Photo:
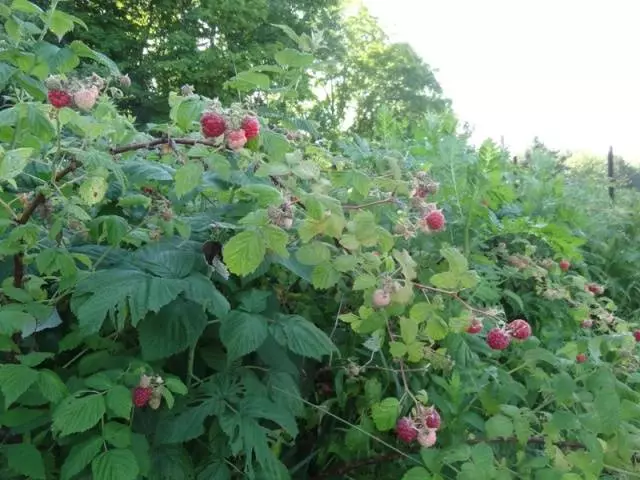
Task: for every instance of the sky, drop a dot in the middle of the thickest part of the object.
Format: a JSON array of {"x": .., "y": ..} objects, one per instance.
[{"x": 567, "y": 71}]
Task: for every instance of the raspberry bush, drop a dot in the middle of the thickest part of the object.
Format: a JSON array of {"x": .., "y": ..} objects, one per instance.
[{"x": 228, "y": 296}]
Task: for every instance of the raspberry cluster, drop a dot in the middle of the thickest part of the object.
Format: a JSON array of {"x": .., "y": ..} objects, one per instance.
[
  {"x": 499, "y": 338},
  {"x": 237, "y": 126},
  {"x": 148, "y": 392},
  {"x": 422, "y": 426}
]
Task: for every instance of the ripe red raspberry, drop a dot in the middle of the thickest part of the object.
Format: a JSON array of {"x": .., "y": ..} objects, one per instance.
[
  {"x": 498, "y": 339},
  {"x": 141, "y": 396},
  {"x": 636, "y": 335},
  {"x": 59, "y": 98},
  {"x": 564, "y": 265},
  {"x": 381, "y": 298},
  {"x": 475, "y": 327},
  {"x": 251, "y": 127},
  {"x": 435, "y": 220},
  {"x": 519, "y": 329},
  {"x": 581, "y": 358},
  {"x": 213, "y": 124},
  {"x": 432, "y": 419},
  {"x": 406, "y": 430},
  {"x": 236, "y": 139}
]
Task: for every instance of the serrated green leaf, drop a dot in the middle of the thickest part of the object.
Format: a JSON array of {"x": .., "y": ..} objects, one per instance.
[
  {"x": 324, "y": 276},
  {"x": 364, "y": 282},
  {"x": 115, "y": 464},
  {"x": 188, "y": 177},
  {"x": 244, "y": 253},
  {"x": 117, "y": 434},
  {"x": 60, "y": 23},
  {"x": 304, "y": 338},
  {"x": 445, "y": 280},
  {"x": 499, "y": 426},
  {"x": 415, "y": 352},
  {"x": 13, "y": 162},
  {"x": 93, "y": 189},
  {"x": 437, "y": 328},
  {"x": 345, "y": 263},
  {"x": 373, "y": 391},
  {"x": 242, "y": 333},
  {"x": 385, "y": 414},
  {"x": 80, "y": 457},
  {"x": 457, "y": 261},
  {"x": 313, "y": 253},
  {"x": 408, "y": 330},
  {"x": 75, "y": 415},
  {"x": 276, "y": 239},
  {"x": 417, "y": 473},
  {"x": 172, "y": 330},
  {"x": 51, "y": 386},
  {"x": 397, "y": 349},
  {"x": 468, "y": 279},
  {"x": 176, "y": 385},
  {"x": 15, "y": 380},
  {"x": 25, "y": 459},
  {"x": 293, "y": 58},
  {"x": 119, "y": 401},
  {"x": 34, "y": 359},
  {"x": 407, "y": 264}
]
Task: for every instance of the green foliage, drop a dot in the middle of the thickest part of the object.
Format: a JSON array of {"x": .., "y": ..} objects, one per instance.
[{"x": 173, "y": 308}]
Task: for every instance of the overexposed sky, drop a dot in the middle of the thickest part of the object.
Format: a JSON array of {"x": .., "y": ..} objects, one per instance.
[{"x": 565, "y": 70}]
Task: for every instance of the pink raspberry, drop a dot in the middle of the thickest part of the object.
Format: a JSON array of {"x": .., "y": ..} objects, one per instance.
[
  {"x": 427, "y": 439},
  {"x": 581, "y": 358},
  {"x": 564, "y": 265},
  {"x": 406, "y": 430},
  {"x": 251, "y": 127},
  {"x": 381, "y": 298},
  {"x": 498, "y": 339},
  {"x": 86, "y": 98},
  {"x": 588, "y": 323},
  {"x": 519, "y": 329},
  {"x": 236, "y": 139},
  {"x": 213, "y": 124},
  {"x": 59, "y": 98},
  {"x": 435, "y": 220}
]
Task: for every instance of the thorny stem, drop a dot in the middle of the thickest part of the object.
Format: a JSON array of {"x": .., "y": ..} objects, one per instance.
[
  {"x": 455, "y": 296},
  {"x": 370, "y": 204}
]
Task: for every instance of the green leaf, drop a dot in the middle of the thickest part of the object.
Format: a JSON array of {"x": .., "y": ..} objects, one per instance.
[
  {"x": 373, "y": 390},
  {"x": 117, "y": 434},
  {"x": 437, "y": 328},
  {"x": 93, "y": 190},
  {"x": 51, "y": 386},
  {"x": 80, "y": 456},
  {"x": 420, "y": 312},
  {"x": 276, "y": 240},
  {"x": 285, "y": 391},
  {"x": 499, "y": 426},
  {"x": 75, "y": 415},
  {"x": 385, "y": 414},
  {"x": 200, "y": 289},
  {"x": 304, "y": 338},
  {"x": 417, "y": 473},
  {"x": 25, "y": 459},
  {"x": 364, "y": 282},
  {"x": 247, "y": 81},
  {"x": 264, "y": 195},
  {"x": 184, "y": 427},
  {"x": 115, "y": 464},
  {"x": 468, "y": 279},
  {"x": 445, "y": 280},
  {"x": 175, "y": 385},
  {"x": 407, "y": 264},
  {"x": 172, "y": 330},
  {"x": 457, "y": 261},
  {"x": 397, "y": 349},
  {"x": 187, "y": 112},
  {"x": 242, "y": 333},
  {"x": 188, "y": 177},
  {"x": 313, "y": 253},
  {"x": 15, "y": 380},
  {"x": 14, "y": 321},
  {"x": 244, "y": 253},
  {"x": 61, "y": 23},
  {"x": 293, "y": 58},
  {"x": 34, "y": 359},
  {"x": 408, "y": 330},
  {"x": 12, "y": 162},
  {"x": 119, "y": 401},
  {"x": 324, "y": 276}
]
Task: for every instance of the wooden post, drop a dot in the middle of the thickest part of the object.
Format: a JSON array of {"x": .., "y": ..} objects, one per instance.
[{"x": 610, "y": 173}]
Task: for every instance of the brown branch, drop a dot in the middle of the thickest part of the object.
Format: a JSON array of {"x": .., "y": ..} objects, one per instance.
[
  {"x": 18, "y": 258},
  {"x": 349, "y": 467},
  {"x": 160, "y": 141}
]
